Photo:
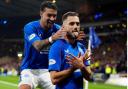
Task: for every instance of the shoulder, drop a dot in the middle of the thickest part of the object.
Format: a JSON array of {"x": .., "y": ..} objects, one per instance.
[
  {"x": 57, "y": 26},
  {"x": 59, "y": 43},
  {"x": 81, "y": 45},
  {"x": 62, "y": 41},
  {"x": 31, "y": 25}
]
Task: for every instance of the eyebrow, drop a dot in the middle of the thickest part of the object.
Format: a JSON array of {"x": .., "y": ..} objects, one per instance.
[{"x": 74, "y": 23}]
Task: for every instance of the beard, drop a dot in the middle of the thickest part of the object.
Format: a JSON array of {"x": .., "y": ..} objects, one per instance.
[
  {"x": 50, "y": 23},
  {"x": 72, "y": 36}
]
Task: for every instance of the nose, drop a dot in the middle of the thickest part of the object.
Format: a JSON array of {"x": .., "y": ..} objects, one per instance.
[
  {"x": 76, "y": 27},
  {"x": 52, "y": 18}
]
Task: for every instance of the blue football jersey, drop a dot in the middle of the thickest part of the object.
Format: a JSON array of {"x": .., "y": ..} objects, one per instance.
[
  {"x": 34, "y": 59},
  {"x": 58, "y": 62}
]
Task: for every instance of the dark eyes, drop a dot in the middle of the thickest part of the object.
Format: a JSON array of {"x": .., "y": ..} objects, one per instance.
[
  {"x": 73, "y": 23},
  {"x": 51, "y": 15}
]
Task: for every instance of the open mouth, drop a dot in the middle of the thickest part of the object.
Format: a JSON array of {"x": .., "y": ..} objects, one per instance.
[
  {"x": 76, "y": 33},
  {"x": 73, "y": 34},
  {"x": 50, "y": 21}
]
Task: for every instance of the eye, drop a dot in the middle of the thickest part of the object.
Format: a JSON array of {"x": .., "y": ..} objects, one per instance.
[
  {"x": 77, "y": 23},
  {"x": 54, "y": 15},
  {"x": 73, "y": 23},
  {"x": 51, "y": 15}
]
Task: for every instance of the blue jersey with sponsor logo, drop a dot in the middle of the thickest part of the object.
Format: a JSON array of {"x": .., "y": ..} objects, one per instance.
[
  {"x": 34, "y": 59},
  {"x": 57, "y": 62}
]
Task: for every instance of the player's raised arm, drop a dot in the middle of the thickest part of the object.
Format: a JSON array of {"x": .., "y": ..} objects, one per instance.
[{"x": 39, "y": 44}]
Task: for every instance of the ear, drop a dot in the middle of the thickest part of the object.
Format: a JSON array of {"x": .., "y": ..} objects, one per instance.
[
  {"x": 64, "y": 22},
  {"x": 63, "y": 25},
  {"x": 41, "y": 13}
]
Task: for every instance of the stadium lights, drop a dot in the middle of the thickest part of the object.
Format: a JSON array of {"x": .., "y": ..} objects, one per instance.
[
  {"x": 124, "y": 25},
  {"x": 111, "y": 26},
  {"x": 3, "y": 21},
  {"x": 54, "y": 1},
  {"x": 98, "y": 15},
  {"x": 19, "y": 54}
]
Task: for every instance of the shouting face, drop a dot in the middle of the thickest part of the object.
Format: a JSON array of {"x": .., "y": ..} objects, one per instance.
[
  {"x": 72, "y": 25},
  {"x": 48, "y": 17}
]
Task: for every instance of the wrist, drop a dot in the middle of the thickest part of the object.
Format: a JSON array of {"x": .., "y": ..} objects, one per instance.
[
  {"x": 82, "y": 66},
  {"x": 50, "y": 39},
  {"x": 71, "y": 70},
  {"x": 87, "y": 62}
]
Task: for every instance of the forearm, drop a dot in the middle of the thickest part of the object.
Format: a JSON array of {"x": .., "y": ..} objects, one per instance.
[
  {"x": 86, "y": 72},
  {"x": 61, "y": 76},
  {"x": 41, "y": 43}
]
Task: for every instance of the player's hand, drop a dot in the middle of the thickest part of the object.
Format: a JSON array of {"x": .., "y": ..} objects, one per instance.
[
  {"x": 81, "y": 35},
  {"x": 59, "y": 34},
  {"x": 86, "y": 55},
  {"x": 75, "y": 62}
]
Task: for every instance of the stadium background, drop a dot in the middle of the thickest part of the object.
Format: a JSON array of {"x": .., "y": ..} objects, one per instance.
[{"x": 108, "y": 17}]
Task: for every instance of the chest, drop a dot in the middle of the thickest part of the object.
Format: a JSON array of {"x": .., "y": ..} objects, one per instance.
[
  {"x": 42, "y": 34},
  {"x": 70, "y": 50},
  {"x": 73, "y": 50}
]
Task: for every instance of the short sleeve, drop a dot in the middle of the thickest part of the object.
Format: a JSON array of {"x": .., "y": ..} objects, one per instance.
[
  {"x": 29, "y": 34},
  {"x": 55, "y": 57}
]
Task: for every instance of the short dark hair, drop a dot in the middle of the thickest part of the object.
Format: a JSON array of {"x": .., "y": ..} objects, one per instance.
[
  {"x": 64, "y": 17},
  {"x": 48, "y": 4}
]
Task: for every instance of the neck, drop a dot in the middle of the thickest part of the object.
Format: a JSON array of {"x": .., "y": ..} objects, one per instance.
[
  {"x": 43, "y": 25},
  {"x": 71, "y": 41}
]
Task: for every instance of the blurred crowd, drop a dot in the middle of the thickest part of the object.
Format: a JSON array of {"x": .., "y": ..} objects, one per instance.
[
  {"x": 9, "y": 66},
  {"x": 110, "y": 57}
]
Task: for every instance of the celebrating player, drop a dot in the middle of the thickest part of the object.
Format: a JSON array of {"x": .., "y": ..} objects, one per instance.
[
  {"x": 38, "y": 35},
  {"x": 67, "y": 64}
]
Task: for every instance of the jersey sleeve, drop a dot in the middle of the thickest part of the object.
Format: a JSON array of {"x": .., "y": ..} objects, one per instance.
[
  {"x": 55, "y": 57},
  {"x": 29, "y": 34}
]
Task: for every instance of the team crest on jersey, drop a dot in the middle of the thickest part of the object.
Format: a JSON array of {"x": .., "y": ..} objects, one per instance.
[
  {"x": 45, "y": 50},
  {"x": 66, "y": 51},
  {"x": 52, "y": 61},
  {"x": 40, "y": 35},
  {"x": 31, "y": 36}
]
